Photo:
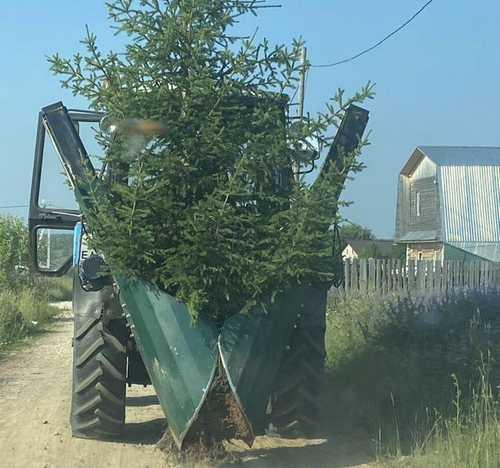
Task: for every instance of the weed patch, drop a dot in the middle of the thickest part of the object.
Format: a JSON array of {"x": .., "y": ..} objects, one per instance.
[
  {"x": 22, "y": 313},
  {"x": 394, "y": 363}
]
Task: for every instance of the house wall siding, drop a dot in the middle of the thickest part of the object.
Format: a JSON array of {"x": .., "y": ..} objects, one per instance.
[
  {"x": 427, "y": 219},
  {"x": 428, "y": 251},
  {"x": 422, "y": 180},
  {"x": 403, "y": 201}
]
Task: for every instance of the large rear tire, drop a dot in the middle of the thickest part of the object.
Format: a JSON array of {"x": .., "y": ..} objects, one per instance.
[
  {"x": 295, "y": 402},
  {"x": 99, "y": 365}
]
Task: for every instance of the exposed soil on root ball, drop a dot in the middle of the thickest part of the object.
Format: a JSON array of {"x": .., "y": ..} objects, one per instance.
[
  {"x": 194, "y": 454},
  {"x": 220, "y": 417}
]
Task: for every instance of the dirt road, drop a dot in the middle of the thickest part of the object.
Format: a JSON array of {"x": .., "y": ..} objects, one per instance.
[{"x": 34, "y": 422}]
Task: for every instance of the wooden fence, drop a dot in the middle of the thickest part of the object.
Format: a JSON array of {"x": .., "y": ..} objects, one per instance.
[{"x": 420, "y": 277}]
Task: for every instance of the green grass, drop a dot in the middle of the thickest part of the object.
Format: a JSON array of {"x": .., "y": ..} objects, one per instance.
[
  {"x": 23, "y": 313},
  {"x": 470, "y": 438},
  {"x": 396, "y": 367},
  {"x": 24, "y": 295}
]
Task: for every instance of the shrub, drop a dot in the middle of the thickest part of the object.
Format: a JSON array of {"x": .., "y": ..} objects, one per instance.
[
  {"x": 392, "y": 360},
  {"x": 24, "y": 297},
  {"x": 14, "y": 256},
  {"x": 469, "y": 438},
  {"x": 12, "y": 323},
  {"x": 22, "y": 313}
]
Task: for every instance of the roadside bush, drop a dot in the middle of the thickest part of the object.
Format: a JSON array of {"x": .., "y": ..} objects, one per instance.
[
  {"x": 469, "y": 438},
  {"x": 24, "y": 297},
  {"x": 14, "y": 254},
  {"x": 22, "y": 313},
  {"x": 391, "y": 360},
  {"x": 12, "y": 324}
]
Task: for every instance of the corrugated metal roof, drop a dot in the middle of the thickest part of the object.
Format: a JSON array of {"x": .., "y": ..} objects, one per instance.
[
  {"x": 470, "y": 203},
  {"x": 487, "y": 250},
  {"x": 462, "y": 155},
  {"x": 419, "y": 236}
]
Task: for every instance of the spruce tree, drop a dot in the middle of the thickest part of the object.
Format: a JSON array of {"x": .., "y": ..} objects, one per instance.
[{"x": 199, "y": 198}]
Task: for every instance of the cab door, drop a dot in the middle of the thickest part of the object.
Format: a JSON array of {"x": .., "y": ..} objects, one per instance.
[{"x": 54, "y": 211}]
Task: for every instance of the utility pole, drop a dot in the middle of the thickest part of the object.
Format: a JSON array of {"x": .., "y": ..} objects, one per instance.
[
  {"x": 303, "y": 72},
  {"x": 302, "y": 95}
]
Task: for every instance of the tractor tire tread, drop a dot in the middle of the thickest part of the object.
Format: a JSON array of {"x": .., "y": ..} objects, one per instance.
[{"x": 99, "y": 374}]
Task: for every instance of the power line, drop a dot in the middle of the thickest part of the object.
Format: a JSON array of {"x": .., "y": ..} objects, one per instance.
[
  {"x": 12, "y": 206},
  {"x": 369, "y": 49}
]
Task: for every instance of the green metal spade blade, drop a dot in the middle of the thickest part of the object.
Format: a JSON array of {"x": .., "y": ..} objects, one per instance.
[
  {"x": 181, "y": 358},
  {"x": 251, "y": 347}
]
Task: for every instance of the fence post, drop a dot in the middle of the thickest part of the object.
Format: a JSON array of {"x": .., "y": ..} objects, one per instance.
[
  {"x": 355, "y": 275},
  {"x": 411, "y": 281},
  {"x": 467, "y": 275},
  {"x": 421, "y": 275},
  {"x": 391, "y": 267},
  {"x": 363, "y": 275},
  {"x": 488, "y": 276},
  {"x": 439, "y": 277},
  {"x": 399, "y": 276},
  {"x": 483, "y": 276},
  {"x": 371, "y": 275},
  {"x": 378, "y": 275},
  {"x": 429, "y": 277},
  {"x": 386, "y": 275},
  {"x": 451, "y": 275},
  {"x": 347, "y": 275},
  {"x": 476, "y": 276}
]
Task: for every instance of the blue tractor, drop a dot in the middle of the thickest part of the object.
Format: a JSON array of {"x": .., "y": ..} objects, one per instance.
[{"x": 129, "y": 332}]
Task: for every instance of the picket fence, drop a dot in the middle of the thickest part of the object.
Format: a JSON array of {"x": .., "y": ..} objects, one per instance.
[{"x": 419, "y": 277}]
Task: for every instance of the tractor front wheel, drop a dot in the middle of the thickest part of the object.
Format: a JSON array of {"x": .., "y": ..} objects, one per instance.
[{"x": 99, "y": 365}]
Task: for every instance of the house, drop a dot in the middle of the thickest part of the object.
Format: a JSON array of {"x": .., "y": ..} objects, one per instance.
[
  {"x": 448, "y": 204},
  {"x": 378, "y": 248}
]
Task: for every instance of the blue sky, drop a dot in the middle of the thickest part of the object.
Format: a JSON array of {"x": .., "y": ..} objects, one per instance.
[{"x": 437, "y": 80}]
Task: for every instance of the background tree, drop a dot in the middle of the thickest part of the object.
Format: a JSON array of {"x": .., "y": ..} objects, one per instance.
[
  {"x": 201, "y": 202},
  {"x": 352, "y": 231},
  {"x": 14, "y": 254}
]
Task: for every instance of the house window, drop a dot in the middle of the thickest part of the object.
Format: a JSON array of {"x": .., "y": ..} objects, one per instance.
[{"x": 418, "y": 204}]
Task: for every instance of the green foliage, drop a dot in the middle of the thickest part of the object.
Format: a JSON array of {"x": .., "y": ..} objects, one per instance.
[
  {"x": 393, "y": 362},
  {"x": 199, "y": 198},
  {"x": 58, "y": 289},
  {"x": 372, "y": 250},
  {"x": 352, "y": 231},
  {"x": 22, "y": 313},
  {"x": 14, "y": 257},
  {"x": 470, "y": 437},
  {"x": 24, "y": 297}
]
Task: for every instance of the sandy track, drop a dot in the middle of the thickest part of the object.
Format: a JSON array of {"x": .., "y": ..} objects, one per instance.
[{"x": 34, "y": 422}]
